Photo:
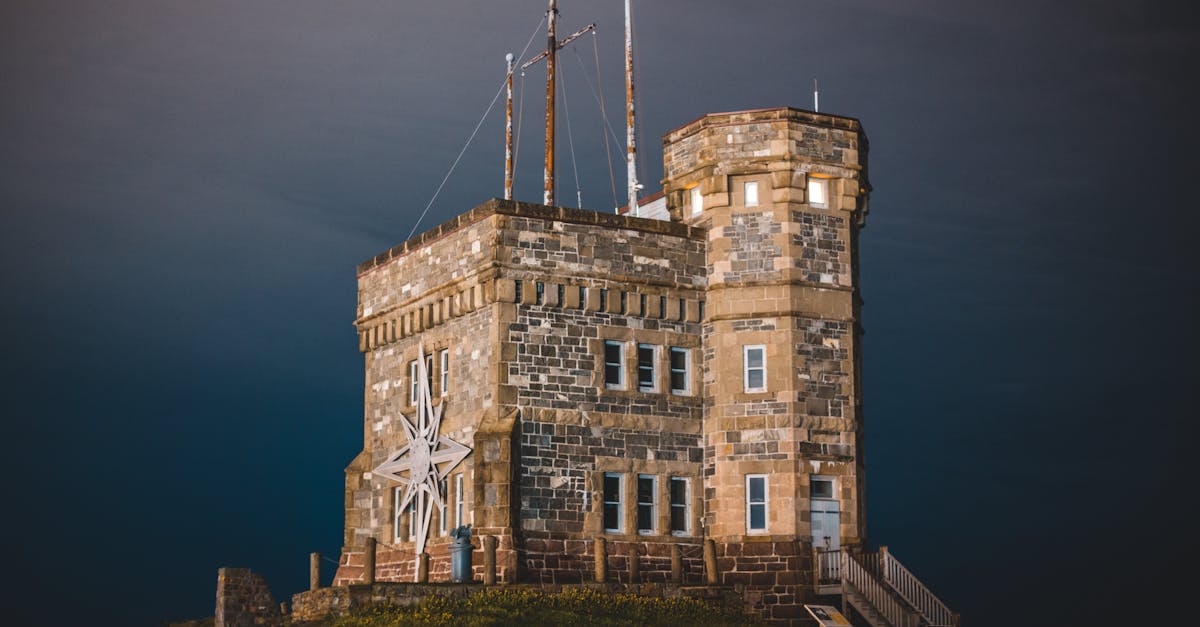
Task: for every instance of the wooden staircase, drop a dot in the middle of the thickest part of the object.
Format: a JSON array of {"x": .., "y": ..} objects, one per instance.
[{"x": 880, "y": 589}]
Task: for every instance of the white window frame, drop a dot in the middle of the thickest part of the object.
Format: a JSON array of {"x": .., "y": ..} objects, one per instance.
[
  {"x": 620, "y": 502},
  {"x": 653, "y": 504},
  {"x": 414, "y": 378},
  {"x": 687, "y": 506},
  {"x": 766, "y": 505},
  {"x": 750, "y": 193},
  {"x": 620, "y": 384},
  {"x": 816, "y": 182},
  {"x": 697, "y": 200},
  {"x": 687, "y": 370},
  {"x": 459, "y": 500},
  {"x": 444, "y": 364},
  {"x": 746, "y": 367},
  {"x": 653, "y": 387}
]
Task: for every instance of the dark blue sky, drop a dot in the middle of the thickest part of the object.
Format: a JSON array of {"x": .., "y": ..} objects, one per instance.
[{"x": 185, "y": 189}]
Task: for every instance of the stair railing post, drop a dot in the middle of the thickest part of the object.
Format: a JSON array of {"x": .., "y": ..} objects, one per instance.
[
  {"x": 842, "y": 568},
  {"x": 884, "y": 565}
]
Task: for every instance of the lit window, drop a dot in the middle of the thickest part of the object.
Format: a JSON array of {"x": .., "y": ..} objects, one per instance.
[
  {"x": 754, "y": 368},
  {"x": 614, "y": 365},
  {"x": 680, "y": 377},
  {"x": 647, "y": 377},
  {"x": 612, "y": 501},
  {"x": 414, "y": 378},
  {"x": 751, "y": 193},
  {"x": 444, "y": 364},
  {"x": 459, "y": 500},
  {"x": 645, "y": 503},
  {"x": 818, "y": 192},
  {"x": 679, "y": 506},
  {"x": 756, "y": 503},
  {"x": 697, "y": 201}
]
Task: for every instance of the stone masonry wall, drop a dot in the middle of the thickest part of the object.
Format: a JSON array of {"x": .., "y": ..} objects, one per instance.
[{"x": 244, "y": 600}]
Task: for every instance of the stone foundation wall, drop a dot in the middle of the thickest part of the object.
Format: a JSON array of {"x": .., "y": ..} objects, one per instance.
[
  {"x": 556, "y": 561},
  {"x": 317, "y": 604},
  {"x": 398, "y": 563},
  {"x": 243, "y": 600},
  {"x": 776, "y": 575}
]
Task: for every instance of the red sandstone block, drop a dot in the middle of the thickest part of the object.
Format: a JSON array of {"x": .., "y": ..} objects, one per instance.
[
  {"x": 762, "y": 579},
  {"x": 758, "y": 548},
  {"x": 658, "y": 549},
  {"x": 729, "y": 550},
  {"x": 789, "y": 578},
  {"x": 575, "y": 547},
  {"x": 736, "y": 578},
  {"x": 786, "y": 548}
]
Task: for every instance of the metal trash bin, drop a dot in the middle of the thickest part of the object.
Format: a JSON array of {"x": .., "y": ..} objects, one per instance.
[{"x": 460, "y": 554}]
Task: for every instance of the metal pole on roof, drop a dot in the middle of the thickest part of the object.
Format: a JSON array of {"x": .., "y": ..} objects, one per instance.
[
  {"x": 630, "y": 135},
  {"x": 551, "y": 50},
  {"x": 508, "y": 130}
]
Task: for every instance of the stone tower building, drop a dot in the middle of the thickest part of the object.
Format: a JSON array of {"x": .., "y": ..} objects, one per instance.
[{"x": 654, "y": 382}]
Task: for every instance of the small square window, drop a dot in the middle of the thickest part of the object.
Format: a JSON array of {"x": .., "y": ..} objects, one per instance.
[
  {"x": 821, "y": 489},
  {"x": 818, "y": 192},
  {"x": 751, "y": 193},
  {"x": 612, "y": 501},
  {"x": 697, "y": 201},
  {"x": 754, "y": 364},
  {"x": 614, "y": 365}
]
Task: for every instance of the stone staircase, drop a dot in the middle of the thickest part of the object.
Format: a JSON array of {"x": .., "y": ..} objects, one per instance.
[{"x": 880, "y": 589}]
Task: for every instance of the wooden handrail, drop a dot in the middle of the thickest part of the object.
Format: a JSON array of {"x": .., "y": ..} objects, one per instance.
[
  {"x": 892, "y": 610},
  {"x": 900, "y": 579}
]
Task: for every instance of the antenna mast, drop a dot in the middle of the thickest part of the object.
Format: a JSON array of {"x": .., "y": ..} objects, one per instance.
[
  {"x": 552, "y": 46},
  {"x": 816, "y": 97},
  {"x": 551, "y": 50},
  {"x": 508, "y": 132},
  {"x": 630, "y": 135}
]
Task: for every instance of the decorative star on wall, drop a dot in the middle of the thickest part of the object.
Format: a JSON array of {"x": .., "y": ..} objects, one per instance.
[{"x": 427, "y": 458}]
